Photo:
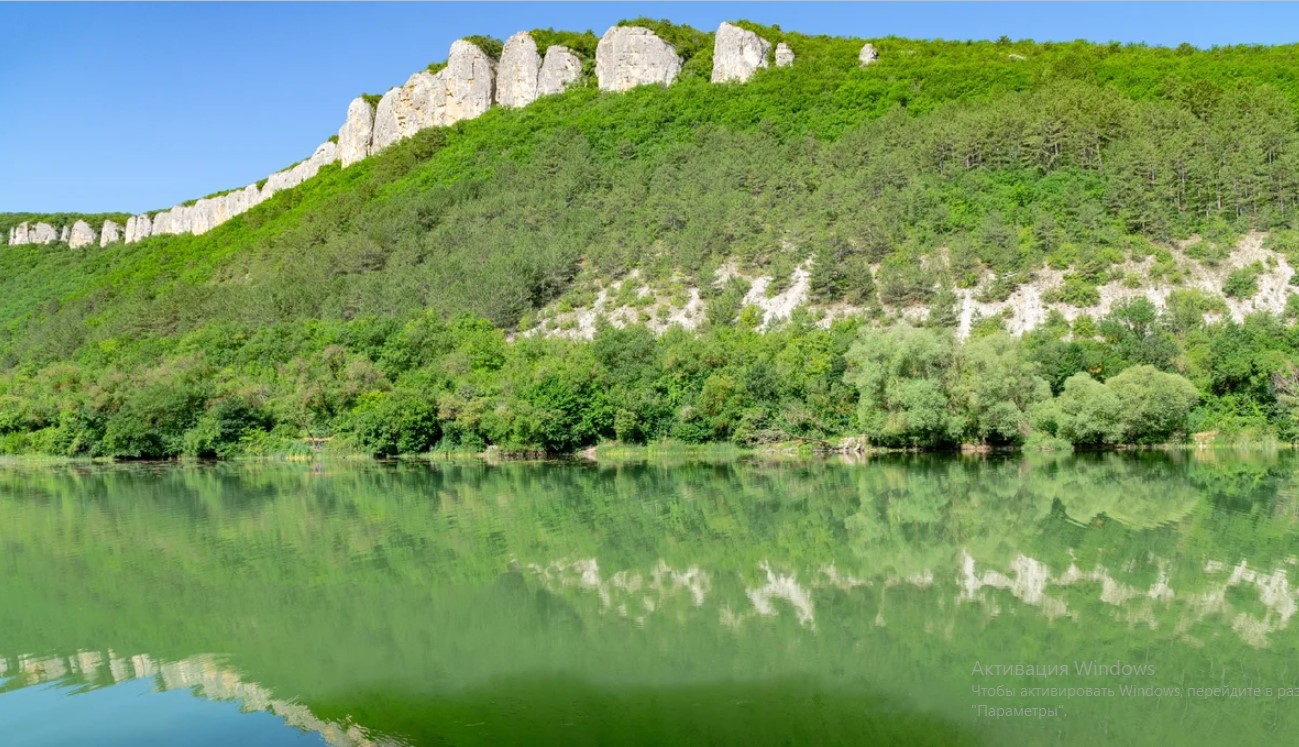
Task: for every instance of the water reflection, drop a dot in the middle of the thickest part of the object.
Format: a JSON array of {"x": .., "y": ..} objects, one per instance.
[
  {"x": 203, "y": 675},
  {"x": 634, "y": 595},
  {"x": 639, "y": 603}
]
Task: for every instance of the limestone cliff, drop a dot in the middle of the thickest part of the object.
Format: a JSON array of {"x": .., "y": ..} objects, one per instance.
[
  {"x": 463, "y": 89},
  {"x": 355, "y": 134},
  {"x": 137, "y": 228},
  {"x": 518, "y": 71},
  {"x": 559, "y": 70},
  {"x": 630, "y": 56},
  {"x": 42, "y": 233},
  {"x": 737, "y": 54},
  {"x": 81, "y": 234},
  {"x": 109, "y": 233},
  {"x": 468, "y": 85}
]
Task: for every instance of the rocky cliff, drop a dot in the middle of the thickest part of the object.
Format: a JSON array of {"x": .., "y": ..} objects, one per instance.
[
  {"x": 630, "y": 56},
  {"x": 469, "y": 84},
  {"x": 109, "y": 234},
  {"x": 737, "y": 54},
  {"x": 81, "y": 234}
]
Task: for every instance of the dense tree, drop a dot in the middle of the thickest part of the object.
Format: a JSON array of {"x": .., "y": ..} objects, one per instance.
[{"x": 392, "y": 305}]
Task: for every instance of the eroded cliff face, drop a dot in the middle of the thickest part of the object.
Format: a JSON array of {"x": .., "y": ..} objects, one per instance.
[
  {"x": 518, "y": 72},
  {"x": 81, "y": 234},
  {"x": 737, "y": 54},
  {"x": 42, "y": 233},
  {"x": 110, "y": 233},
  {"x": 560, "y": 69},
  {"x": 357, "y": 131},
  {"x": 464, "y": 89},
  {"x": 468, "y": 85},
  {"x": 631, "y": 56}
]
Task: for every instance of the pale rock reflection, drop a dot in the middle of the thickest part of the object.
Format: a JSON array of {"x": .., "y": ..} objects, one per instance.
[
  {"x": 202, "y": 674},
  {"x": 1030, "y": 581},
  {"x": 627, "y": 593},
  {"x": 784, "y": 587}
]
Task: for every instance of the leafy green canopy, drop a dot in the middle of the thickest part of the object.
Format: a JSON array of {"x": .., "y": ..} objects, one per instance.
[{"x": 939, "y": 165}]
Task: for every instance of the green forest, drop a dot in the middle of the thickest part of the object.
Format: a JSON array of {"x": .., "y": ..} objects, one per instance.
[{"x": 388, "y": 307}]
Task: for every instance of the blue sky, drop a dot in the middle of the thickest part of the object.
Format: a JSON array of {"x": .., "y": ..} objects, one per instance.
[{"x": 137, "y": 106}]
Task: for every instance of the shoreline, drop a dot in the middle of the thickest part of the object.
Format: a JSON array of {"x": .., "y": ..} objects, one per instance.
[{"x": 667, "y": 451}]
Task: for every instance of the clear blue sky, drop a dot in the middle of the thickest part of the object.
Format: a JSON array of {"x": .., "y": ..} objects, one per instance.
[{"x": 137, "y": 106}]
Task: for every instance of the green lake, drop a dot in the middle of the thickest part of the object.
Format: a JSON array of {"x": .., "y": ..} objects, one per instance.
[{"x": 1096, "y": 599}]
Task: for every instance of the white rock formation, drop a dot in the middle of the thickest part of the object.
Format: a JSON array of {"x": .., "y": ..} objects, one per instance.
[
  {"x": 327, "y": 153},
  {"x": 518, "y": 71},
  {"x": 354, "y": 136},
  {"x": 737, "y": 54},
  {"x": 138, "y": 227},
  {"x": 401, "y": 112},
  {"x": 559, "y": 70},
  {"x": 630, "y": 56},
  {"x": 109, "y": 233},
  {"x": 868, "y": 54},
  {"x": 167, "y": 222},
  {"x": 784, "y": 55},
  {"x": 42, "y": 233},
  {"x": 81, "y": 234},
  {"x": 462, "y": 90},
  {"x": 470, "y": 83}
]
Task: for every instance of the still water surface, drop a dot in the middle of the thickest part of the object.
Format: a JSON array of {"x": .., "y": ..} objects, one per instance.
[{"x": 910, "y": 600}]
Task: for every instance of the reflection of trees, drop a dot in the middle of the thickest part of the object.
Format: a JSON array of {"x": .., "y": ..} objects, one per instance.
[{"x": 422, "y": 579}]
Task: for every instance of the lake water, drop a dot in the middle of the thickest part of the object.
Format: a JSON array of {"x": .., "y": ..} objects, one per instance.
[{"x": 1079, "y": 600}]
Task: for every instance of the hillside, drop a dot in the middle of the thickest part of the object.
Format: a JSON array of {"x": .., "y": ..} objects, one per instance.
[{"x": 1117, "y": 206}]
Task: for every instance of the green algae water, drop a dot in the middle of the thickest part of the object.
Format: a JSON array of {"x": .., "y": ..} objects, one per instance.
[{"x": 1079, "y": 600}]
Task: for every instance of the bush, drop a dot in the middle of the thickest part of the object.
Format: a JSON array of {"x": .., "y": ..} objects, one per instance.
[
  {"x": 1242, "y": 283},
  {"x": 1153, "y": 405},
  {"x": 1087, "y": 412},
  {"x": 398, "y": 422}
]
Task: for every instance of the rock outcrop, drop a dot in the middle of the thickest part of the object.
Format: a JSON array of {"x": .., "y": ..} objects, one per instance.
[
  {"x": 559, "y": 70},
  {"x": 737, "y": 54},
  {"x": 109, "y": 233},
  {"x": 518, "y": 71},
  {"x": 630, "y": 56},
  {"x": 355, "y": 134},
  {"x": 209, "y": 212},
  {"x": 523, "y": 76},
  {"x": 784, "y": 55},
  {"x": 326, "y": 154},
  {"x": 81, "y": 234},
  {"x": 868, "y": 54},
  {"x": 138, "y": 227},
  {"x": 42, "y": 233},
  {"x": 462, "y": 90},
  {"x": 468, "y": 85},
  {"x": 402, "y": 111}
]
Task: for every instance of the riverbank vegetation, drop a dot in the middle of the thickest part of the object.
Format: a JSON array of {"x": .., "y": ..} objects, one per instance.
[
  {"x": 386, "y": 386},
  {"x": 372, "y": 306}
]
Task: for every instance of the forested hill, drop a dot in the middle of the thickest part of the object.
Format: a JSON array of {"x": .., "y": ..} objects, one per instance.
[{"x": 1123, "y": 206}]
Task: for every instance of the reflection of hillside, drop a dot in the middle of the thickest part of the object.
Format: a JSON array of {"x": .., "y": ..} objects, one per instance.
[
  {"x": 201, "y": 674},
  {"x": 635, "y": 595},
  {"x": 1032, "y": 583}
]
